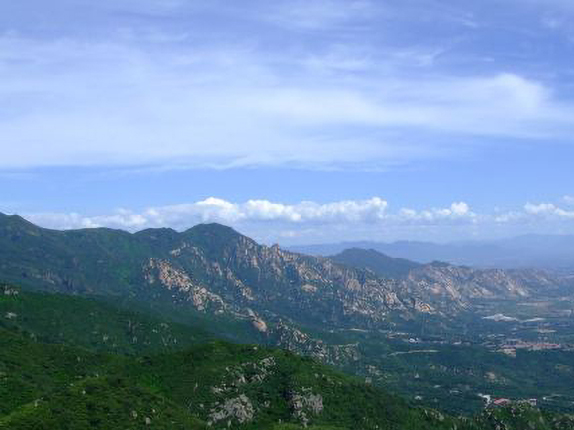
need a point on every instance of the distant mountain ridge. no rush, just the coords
(538, 251)
(210, 267)
(379, 263)
(447, 286)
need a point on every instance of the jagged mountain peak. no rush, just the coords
(213, 267)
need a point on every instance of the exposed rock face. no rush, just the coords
(446, 288)
(233, 405)
(293, 339)
(453, 288)
(309, 288)
(218, 269)
(175, 279)
(305, 405)
(258, 323)
(8, 291)
(269, 280)
(239, 410)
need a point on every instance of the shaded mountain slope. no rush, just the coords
(379, 263)
(93, 324)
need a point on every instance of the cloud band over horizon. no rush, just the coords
(307, 221)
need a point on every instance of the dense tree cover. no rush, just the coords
(54, 386)
(54, 381)
(93, 324)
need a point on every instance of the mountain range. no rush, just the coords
(212, 269)
(451, 287)
(555, 252)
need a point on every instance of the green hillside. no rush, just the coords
(54, 378)
(54, 386)
(93, 324)
(59, 387)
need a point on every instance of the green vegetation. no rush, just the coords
(54, 386)
(92, 324)
(151, 337)
(51, 379)
(521, 417)
(448, 375)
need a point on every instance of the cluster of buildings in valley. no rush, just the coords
(511, 345)
(547, 339)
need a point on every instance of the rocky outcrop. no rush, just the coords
(258, 323)
(446, 288)
(270, 281)
(288, 337)
(233, 405)
(236, 410)
(8, 291)
(218, 269)
(177, 280)
(453, 288)
(305, 405)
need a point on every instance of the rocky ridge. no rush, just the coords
(449, 288)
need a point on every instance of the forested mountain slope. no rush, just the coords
(213, 385)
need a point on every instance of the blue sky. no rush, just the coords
(294, 121)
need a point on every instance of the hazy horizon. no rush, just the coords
(303, 244)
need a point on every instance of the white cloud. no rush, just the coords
(569, 200)
(549, 210)
(118, 102)
(219, 210)
(372, 212)
(307, 221)
(456, 211)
